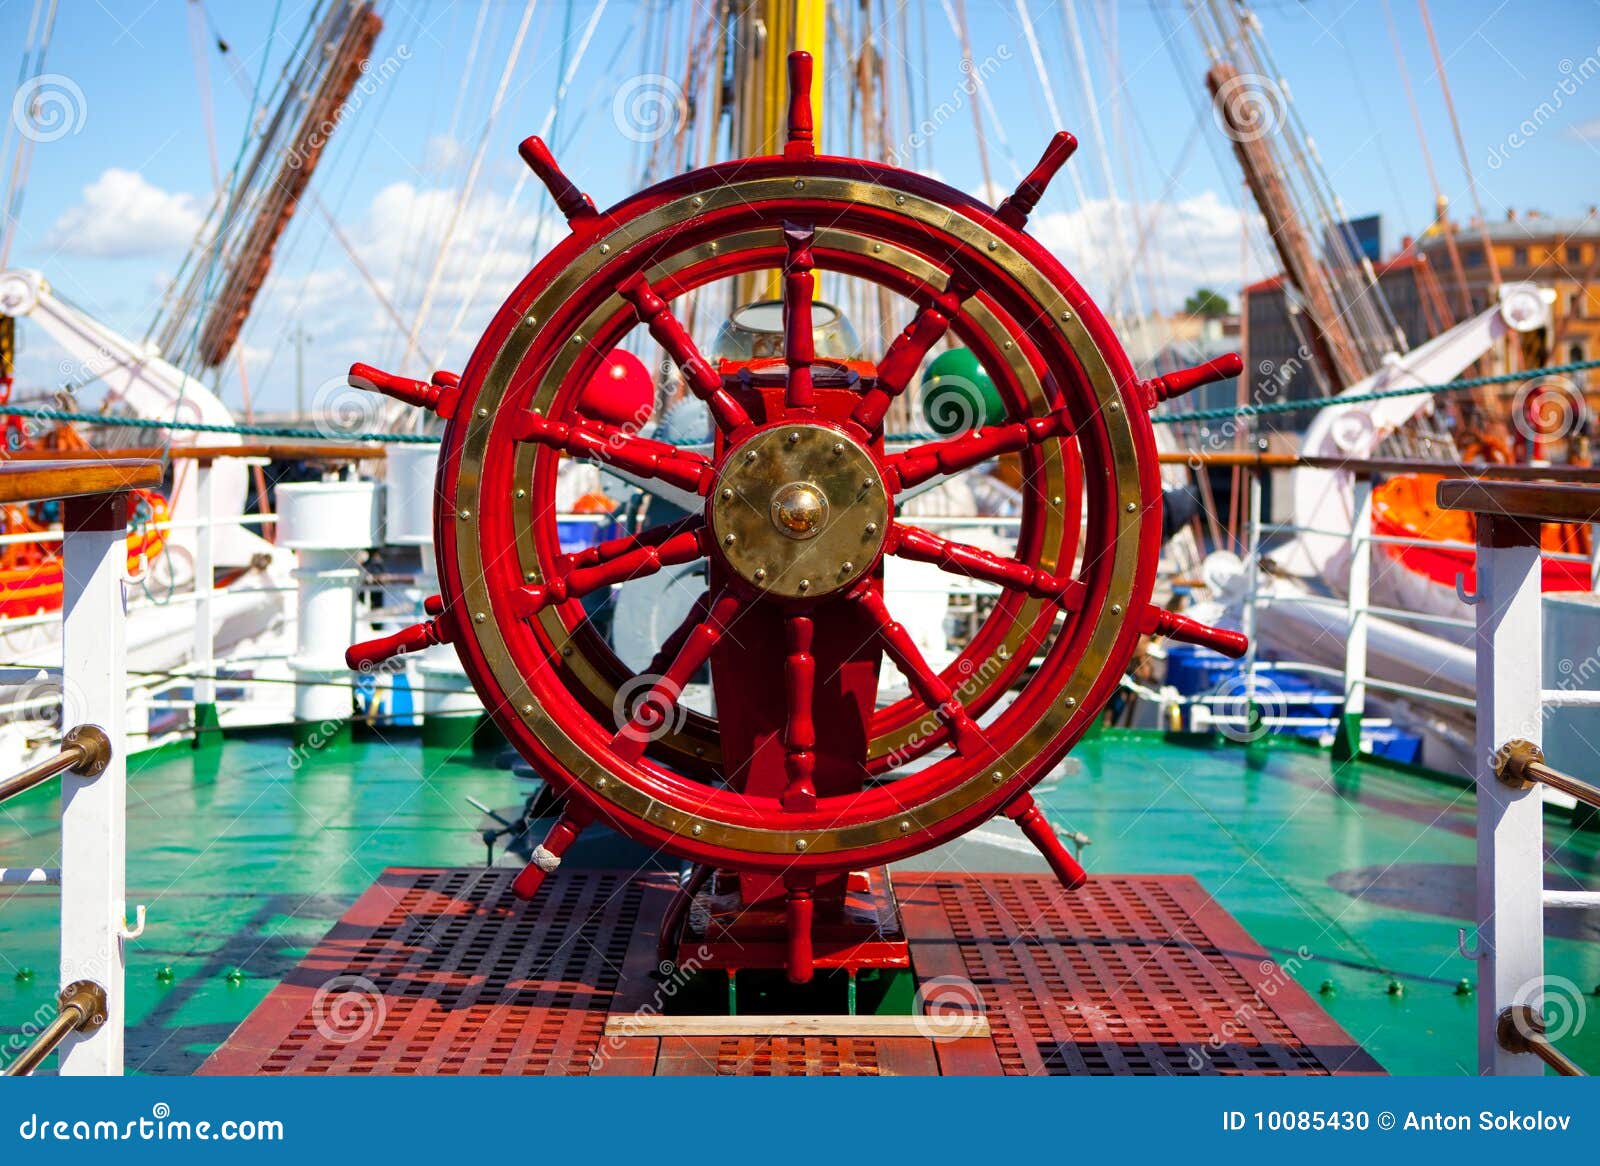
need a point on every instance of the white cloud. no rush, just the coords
(441, 153)
(1585, 131)
(122, 215)
(397, 236)
(1172, 247)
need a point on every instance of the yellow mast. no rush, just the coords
(768, 31)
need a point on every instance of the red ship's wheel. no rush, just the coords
(796, 511)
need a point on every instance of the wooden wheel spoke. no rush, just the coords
(606, 443)
(908, 350)
(799, 729)
(925, 682)
(669, 332)
(912, 542)
(916, 465)
(653, 713)
(673, 644)
(620, 560)
(799, 293)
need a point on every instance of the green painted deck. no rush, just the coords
(246, 853)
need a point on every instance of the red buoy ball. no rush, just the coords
(621, 392)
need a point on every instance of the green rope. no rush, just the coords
(200, 427)
(1456, 386)
(1268, 407)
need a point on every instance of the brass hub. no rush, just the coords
(799, 511)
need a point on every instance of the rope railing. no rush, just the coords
(1267, 408)
(1264, 408)
(84, 749)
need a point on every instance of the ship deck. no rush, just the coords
(445, 971)
(1352, 878)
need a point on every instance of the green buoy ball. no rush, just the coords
(957, 395)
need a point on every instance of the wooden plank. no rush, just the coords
(936, 953)
(638, 992)
(1268, 460)
(309, 450)
(1539, 501)
(46, 480)
(926, 1027)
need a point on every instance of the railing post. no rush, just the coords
(204, 651)
(94, 687)
(1510, 823)
(1347, 741)
(1252, 574)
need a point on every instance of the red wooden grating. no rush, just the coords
(1141, 974)
(446, 972)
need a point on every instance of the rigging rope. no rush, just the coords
(1461, 145)
(469, 185)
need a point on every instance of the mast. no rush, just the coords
(766, 32)
(1331, 340)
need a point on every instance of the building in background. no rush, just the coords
(1428, 291)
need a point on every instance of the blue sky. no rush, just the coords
(110, 206)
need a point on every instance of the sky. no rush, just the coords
(117, 187)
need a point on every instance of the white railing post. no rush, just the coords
(204, 650)
(1510, 821)
(1252, 575)
(94, 688)
(1347, 741)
